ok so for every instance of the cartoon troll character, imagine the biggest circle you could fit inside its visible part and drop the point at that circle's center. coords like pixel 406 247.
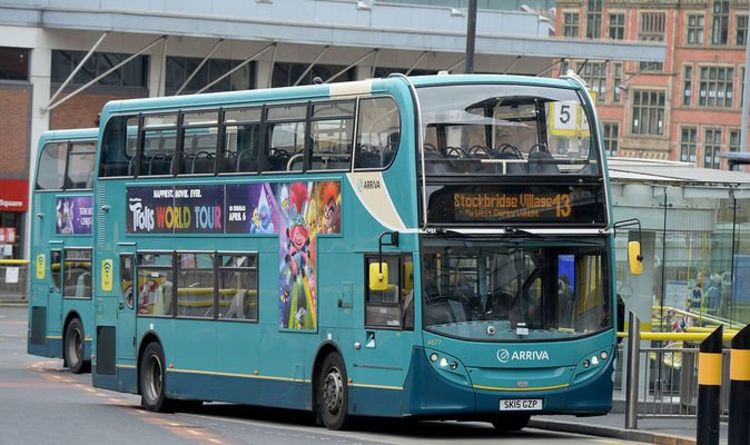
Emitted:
pixel 331 210
pixel 298 235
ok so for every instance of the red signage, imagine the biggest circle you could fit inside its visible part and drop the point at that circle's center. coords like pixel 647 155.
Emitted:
pixel 14 195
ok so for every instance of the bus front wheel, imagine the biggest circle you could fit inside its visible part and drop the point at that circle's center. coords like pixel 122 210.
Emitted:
pixel 332 394
pixel 74 346
pixel 511 422
pixel 152 381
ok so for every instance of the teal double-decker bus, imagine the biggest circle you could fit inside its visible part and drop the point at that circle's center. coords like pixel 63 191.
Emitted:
pixel 427 247
pixel 61 310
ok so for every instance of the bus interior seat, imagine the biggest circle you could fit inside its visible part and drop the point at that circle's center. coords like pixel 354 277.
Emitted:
pixel 511 168
pixel 246 161
pixel 203 162
pixel 541 162
pixel 444 311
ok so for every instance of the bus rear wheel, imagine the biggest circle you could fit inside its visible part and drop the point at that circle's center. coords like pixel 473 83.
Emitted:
pixel 511 422
pixel 152 379
pixel 73 342
pixel 332 394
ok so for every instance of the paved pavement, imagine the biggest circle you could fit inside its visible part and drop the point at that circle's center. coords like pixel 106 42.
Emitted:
pixel 42 403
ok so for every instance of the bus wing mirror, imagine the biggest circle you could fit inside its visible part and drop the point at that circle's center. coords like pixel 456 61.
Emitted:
pixel 378 276
pixel 635 259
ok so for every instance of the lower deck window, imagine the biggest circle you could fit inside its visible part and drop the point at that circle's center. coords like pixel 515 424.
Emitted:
pixel 77 273
pixel 155 284
pixel 238 287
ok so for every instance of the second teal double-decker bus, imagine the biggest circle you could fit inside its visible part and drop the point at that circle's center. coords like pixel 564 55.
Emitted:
pixel 61 314
pixel 428 247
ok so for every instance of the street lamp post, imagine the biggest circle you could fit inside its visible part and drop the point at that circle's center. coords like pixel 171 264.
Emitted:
pixel 471 36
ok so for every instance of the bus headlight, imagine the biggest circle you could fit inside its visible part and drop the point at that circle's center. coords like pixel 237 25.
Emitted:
pixel 434 357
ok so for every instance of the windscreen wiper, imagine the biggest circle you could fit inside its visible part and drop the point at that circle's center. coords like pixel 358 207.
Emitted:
pixel 515 231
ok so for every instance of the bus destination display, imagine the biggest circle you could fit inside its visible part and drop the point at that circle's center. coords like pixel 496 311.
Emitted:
pixel 526 204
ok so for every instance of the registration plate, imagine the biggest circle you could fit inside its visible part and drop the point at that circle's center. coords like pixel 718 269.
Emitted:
pixel 521 405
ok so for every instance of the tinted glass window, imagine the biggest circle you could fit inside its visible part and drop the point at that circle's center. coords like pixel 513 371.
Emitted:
pixel 118 147
pixel 51 170
pixel 77 273
pixel 238 287
pixel 331 135
pixel 81 165
pixel 378 133
pixel 155 284
pixel 195 285
pixel 286 138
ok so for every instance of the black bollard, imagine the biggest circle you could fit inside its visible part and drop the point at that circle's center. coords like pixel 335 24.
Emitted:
pixel 709 388
pixel 739 390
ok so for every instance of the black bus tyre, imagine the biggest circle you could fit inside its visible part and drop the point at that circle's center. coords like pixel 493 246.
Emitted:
pixel 332 393
pixel 73 346
pixel 152 379
pixel 511 422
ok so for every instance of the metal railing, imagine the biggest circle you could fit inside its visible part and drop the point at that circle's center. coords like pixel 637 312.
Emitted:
pixel 661 377
pixel 13 279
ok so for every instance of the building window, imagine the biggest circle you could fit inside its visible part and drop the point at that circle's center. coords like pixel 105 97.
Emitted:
pixel 594 19
pixel 617 83
pixel 648 112
pixel 617 26
pixel 741 32
pixel 687 144
pixel 687 85
pixel 652 27
pixel 570 24
pixel 712 148
pixel 734 140
pixel 720 26
pixel 652 30
pixel 716 86
pixel 14 63
pixel 132 74
pixel 564 67
pixel 695 29
pixel 179 70
pixel 286 74
pixel 611 131
pixel 595 75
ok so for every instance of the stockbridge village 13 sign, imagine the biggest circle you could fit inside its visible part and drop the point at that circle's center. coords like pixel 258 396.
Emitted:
pixel 548 204
pixel 297 212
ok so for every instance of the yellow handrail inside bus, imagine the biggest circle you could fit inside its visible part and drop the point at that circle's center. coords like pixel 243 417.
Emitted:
pixel 13 262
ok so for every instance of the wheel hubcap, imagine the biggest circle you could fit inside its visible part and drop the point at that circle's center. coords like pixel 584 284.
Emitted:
pixel 154 379
pixel 333 391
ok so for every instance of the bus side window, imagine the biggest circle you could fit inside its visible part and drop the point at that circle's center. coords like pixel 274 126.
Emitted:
pixel 331 132
pixel 199 142
pixel 126 279
pixel 81 166
pixel 55 259
pixel 159 141
pixel 195 285
pixel 51 170
pixel 77 273
pixel 155 284
pixel 378 133
pixel 286 138
pixel 241 142
pixel 118 147
pixel 394 306
pixel 238 287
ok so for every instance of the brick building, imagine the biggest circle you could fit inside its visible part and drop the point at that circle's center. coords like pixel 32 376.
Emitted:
pixel 687 108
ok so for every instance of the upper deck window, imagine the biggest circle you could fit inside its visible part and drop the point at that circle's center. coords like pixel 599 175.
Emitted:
pixel 331 132
pixel 378 133
pixel 66 165
pixel 118 147
pixel 286 137
pixel 51 171
pixel 241 143
pixel 506 130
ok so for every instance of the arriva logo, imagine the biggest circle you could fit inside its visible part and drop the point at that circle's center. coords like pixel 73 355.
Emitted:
pixel 504 356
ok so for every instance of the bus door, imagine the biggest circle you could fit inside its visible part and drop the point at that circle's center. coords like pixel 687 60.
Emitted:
pixel 126 285
pixel 389 320
pixel 54 293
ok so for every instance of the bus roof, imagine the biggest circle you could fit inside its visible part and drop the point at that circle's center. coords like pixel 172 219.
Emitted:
pixel 322 91
pixel 76 133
